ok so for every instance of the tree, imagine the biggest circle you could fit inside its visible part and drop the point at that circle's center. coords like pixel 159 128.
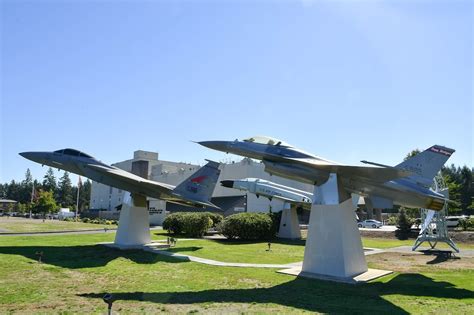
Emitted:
pixel 465 191
pixel 412 154
pixel 66 198
pixel 13 190
pixel 26 186
pixel 403 225
pixel 49 181
pixel 45 203
pixel 85 195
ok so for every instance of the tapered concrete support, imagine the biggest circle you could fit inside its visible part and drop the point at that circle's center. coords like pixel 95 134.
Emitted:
pixel 333 247
pixel 289 225
pixel 134 223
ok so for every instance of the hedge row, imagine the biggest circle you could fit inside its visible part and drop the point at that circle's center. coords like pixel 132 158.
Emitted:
pixel 249 226
pixel 244 226
pixel 93 221
pixel 193 224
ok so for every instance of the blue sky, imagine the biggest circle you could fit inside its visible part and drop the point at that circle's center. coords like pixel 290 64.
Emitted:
pixel 346 80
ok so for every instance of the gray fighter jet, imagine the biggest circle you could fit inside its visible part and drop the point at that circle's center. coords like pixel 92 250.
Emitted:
pixel 407 184
pixel 196 191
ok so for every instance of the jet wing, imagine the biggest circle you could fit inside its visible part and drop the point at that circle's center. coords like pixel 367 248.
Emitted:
pixel 121 176
pixel 376 174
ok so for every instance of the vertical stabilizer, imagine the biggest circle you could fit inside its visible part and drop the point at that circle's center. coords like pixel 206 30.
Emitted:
pixel 427 164
pixel 200 185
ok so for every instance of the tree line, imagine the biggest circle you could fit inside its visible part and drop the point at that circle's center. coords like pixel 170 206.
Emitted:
pixel 459 181
pixel 46 195
pixel 30 192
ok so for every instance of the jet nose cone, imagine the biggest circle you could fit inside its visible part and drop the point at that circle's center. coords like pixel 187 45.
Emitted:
pixel 33 156
pixel 215 145
pixel 27 155
pixel 227 183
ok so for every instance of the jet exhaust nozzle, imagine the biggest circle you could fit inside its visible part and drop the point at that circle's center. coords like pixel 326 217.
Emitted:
pixel 227 183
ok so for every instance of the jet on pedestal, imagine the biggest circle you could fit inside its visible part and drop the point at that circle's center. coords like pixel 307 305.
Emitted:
pixel 270 190
pixel 406 184
pixel 195 191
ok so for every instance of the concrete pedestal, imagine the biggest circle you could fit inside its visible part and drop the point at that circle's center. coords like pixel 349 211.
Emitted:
pixel 289 225
pixel 134 224
pixel 333 247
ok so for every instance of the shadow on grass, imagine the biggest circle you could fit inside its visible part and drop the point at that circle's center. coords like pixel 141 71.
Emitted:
pixel 86 256
pixel 311 295
pixel 440 256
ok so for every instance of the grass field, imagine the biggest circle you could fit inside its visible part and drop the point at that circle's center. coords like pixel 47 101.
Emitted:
pixel 282 252
pixel 13 224
pixel 76 273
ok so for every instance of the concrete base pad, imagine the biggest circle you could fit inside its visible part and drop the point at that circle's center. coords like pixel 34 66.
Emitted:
pixel 370 274
pixel 156 245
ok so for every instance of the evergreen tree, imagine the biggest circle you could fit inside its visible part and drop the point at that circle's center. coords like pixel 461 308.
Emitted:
pixel 49 181
pixel 465 191
pixel 13 190
pixel 66 198
pixel 412 154
pixel 403 225
pixel 3 191
pixel 26 186
pixel 85 195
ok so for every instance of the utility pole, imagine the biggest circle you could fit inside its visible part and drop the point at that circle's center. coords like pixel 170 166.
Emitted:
pixel 77 198
pixel 32 198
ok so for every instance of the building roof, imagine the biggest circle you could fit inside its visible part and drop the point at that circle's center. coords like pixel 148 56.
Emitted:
pixel 7 201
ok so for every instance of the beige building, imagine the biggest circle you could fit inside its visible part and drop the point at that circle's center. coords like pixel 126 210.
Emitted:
pixel 229 200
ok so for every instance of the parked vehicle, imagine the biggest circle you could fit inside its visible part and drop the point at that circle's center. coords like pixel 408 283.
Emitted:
pixel 370 224
pixel 453 221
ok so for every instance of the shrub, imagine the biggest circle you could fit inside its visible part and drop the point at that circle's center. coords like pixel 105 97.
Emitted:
pixel 392 220
pixel 194 224
pixel 276 219
pixel 174 223
pixel 467 224
pixel 215 217
pixel 403 225
pixel 247 226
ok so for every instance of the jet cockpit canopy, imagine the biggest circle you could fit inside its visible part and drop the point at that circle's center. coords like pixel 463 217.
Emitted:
pixel 72 152
pixel 267 140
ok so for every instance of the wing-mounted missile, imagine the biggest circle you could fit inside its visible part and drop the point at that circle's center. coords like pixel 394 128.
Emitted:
pixel 269 190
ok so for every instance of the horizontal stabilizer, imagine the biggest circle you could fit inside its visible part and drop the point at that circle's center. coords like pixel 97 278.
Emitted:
pixel 375 174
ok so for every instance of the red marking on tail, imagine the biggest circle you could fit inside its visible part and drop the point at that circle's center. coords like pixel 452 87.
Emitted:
pixel 198 179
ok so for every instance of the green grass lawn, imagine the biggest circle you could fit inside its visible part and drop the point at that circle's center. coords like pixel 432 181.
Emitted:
pixel 11 224
pixel 76 273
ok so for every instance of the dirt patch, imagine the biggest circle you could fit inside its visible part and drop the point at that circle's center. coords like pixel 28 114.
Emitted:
pixel 407 262
pixel 459 237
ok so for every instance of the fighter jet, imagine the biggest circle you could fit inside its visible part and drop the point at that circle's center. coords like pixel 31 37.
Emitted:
pixel 270 190
pixel 196 191
pixel 406 184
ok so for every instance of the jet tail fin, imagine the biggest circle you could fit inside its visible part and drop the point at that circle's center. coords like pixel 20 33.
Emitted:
pixel 427 164
pixel 200 186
